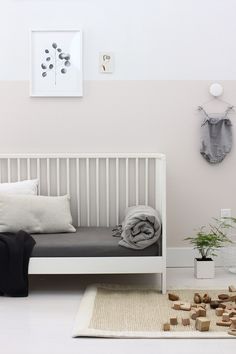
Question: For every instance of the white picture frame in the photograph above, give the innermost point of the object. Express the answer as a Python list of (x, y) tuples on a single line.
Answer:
[(56, 63)]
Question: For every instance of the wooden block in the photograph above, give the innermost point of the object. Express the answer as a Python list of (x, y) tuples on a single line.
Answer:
[(202, 324), (228, 308), (166, 327), (195, 314), (194, 306), (232, 332), (185, 321), (222, 306), (206, 299), (233, 323), (232, 314), (223, 324), (197, 310), (202, 312), (173, 297), (185, 307), (197, 298), (219, 311), (202, 305), (173, 321), (232, 298), (232, 288), (214, 304), (176, 306), (223, 297), (225, 317)]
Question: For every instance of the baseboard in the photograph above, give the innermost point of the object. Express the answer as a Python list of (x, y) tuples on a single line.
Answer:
[(183, 257)]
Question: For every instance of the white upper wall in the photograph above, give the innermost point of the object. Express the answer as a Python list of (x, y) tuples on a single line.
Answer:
[(151, 39)]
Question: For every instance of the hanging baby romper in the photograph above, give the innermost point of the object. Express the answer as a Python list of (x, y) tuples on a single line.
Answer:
[(216, 136)]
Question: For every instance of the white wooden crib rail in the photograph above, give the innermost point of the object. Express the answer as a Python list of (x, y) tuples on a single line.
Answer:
[(101, 185)]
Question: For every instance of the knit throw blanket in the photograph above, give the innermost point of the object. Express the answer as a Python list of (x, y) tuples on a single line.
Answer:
[(15, 251), (140, 228)]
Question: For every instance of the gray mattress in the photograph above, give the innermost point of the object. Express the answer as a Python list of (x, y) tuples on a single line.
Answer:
[(86, 242)]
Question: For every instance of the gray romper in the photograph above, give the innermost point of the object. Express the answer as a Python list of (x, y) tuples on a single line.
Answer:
[(216, 136)]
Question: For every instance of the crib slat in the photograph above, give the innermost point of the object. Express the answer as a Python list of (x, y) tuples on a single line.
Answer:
[(117, 191), (156, 184), (38, 175), (68, 176), (136, 181), (97, 193), (8, 170), (107, 191), (78, 191), (18, 169), (126, 182), (58, 176), (88, 190), (48, 177), (0, 170), (146, 180), (28, 168)]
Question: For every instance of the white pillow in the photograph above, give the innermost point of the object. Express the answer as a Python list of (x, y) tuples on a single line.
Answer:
[(35, 214), (23, 187)]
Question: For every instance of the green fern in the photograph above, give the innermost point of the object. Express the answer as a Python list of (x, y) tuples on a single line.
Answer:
[(212, 237)]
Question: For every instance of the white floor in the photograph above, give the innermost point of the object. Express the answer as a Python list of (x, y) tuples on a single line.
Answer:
[(42, 322)]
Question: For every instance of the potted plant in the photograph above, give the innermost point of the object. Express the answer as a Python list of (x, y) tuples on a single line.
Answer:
[(207, 241)]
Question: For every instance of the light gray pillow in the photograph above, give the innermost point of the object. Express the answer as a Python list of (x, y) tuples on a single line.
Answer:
[(29, 186), (35, 214)]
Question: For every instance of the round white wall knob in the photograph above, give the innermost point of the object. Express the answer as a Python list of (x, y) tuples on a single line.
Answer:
[(216, 89)]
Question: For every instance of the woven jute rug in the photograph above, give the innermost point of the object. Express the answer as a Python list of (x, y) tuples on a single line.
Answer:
[(126, 312)]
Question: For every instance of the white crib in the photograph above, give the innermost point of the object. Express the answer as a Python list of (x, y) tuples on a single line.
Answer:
[(101, 186)]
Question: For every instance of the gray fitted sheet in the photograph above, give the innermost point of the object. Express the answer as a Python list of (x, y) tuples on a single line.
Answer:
[(86, 242)]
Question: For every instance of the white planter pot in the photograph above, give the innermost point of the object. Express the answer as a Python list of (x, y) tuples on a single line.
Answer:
[(204, 269)]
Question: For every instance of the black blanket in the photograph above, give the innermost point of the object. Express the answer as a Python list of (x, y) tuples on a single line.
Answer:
[(15, 251)]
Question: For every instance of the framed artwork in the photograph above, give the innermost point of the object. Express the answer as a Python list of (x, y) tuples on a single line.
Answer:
[(56, 63), (106, 62)]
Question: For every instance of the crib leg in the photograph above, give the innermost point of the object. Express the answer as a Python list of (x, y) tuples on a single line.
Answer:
[(163, 282)]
